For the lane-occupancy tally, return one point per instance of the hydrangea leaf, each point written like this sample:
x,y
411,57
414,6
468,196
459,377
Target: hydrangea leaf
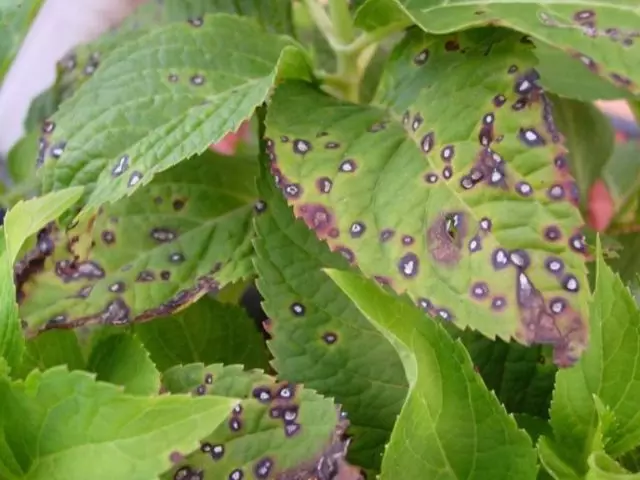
x,y
603,467
278,430
61,424
20,223
161,98
149,255
468,206
15,20
206,332
54,348
122,359
608,370
602,36
319,337
451,425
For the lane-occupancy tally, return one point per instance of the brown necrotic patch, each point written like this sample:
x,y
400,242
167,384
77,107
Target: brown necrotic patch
x,y
317,217
445,238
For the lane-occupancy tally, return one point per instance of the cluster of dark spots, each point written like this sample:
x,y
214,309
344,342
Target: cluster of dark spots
x,y
489,167
173,78
197,80
215,451
301,147
329,338
121,166
195,21
409,265
108,237
297,309
357,229
163,234
324,184
445,237
422,57
187,473
387,234
262,468
317,217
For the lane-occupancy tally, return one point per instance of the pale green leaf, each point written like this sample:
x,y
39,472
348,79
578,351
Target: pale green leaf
x,y
15,20
451,426
61,424
603,467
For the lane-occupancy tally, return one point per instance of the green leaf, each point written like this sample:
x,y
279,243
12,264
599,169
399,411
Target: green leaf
x,y
22,221
61,424
389,186
589,137
278,427
20,160
168,94
603,36
608,370
450,426
621,174
319,337
206,332
56,347
15,20
603,467
122,359
187,233
627,263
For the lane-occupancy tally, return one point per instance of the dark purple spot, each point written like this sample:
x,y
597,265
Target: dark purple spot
x,y
185,473
108,237
348,166
422,57
531,138
262,394
427,142
475,244
576,242
386,234
237,474
583,15
297,309
447,153
416,122
480,290
291,429
486,224
466,182
485,137
162,235
574,193
445,314
556,192
357,229
165,275
409,265
329,338
235,424
570,283
262,469
447,172
519,104
197,80
587,62
498,303
431,177
346,253
524,189
317,218
84,292
292,190
284,139
48,126
208,379
525,84
200,390
195,21
301,147
621,80
178,204
500,259
560,161
557,305
554,265
333,233
488,119
134,179
324,184
407,240
520,259
499,100
552,233
425,304
286,391
275,412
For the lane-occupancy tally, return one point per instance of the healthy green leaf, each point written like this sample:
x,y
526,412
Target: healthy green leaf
x,y
602,36
122,359
589,136
206,332
15,20
319,337
161,98
20,164
279,430
147,256
467,205
451,426
610,370
603,467
22,221
53,348
61,424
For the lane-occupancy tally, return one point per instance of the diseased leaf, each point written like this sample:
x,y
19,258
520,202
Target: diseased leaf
x,y
589,137
161,98
278,427
61,424
54,348
205,332
319,337
603,36
122,359
15,20
609,370
467,205
450,426
185,234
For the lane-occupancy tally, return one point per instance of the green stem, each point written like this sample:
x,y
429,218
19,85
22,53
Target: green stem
x,y
347,61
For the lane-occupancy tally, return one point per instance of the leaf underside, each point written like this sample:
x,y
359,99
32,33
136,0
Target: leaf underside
x,y
278,430
604,37
455,189
186,234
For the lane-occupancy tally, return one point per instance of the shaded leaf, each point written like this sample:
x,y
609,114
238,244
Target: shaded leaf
x,y
609,370
64,424
161,98
15,20
603,36
54,348
319,337
187,233
121,359
278,427
621,174
434,197
206,332
450,426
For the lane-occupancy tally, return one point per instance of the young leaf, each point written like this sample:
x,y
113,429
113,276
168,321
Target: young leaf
x,y
169,94
467,205
121,359
603,467
15,20
608,370
206,332
65,424
187,233
277,431
319,337
450,425
22,221
602,36
56,347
